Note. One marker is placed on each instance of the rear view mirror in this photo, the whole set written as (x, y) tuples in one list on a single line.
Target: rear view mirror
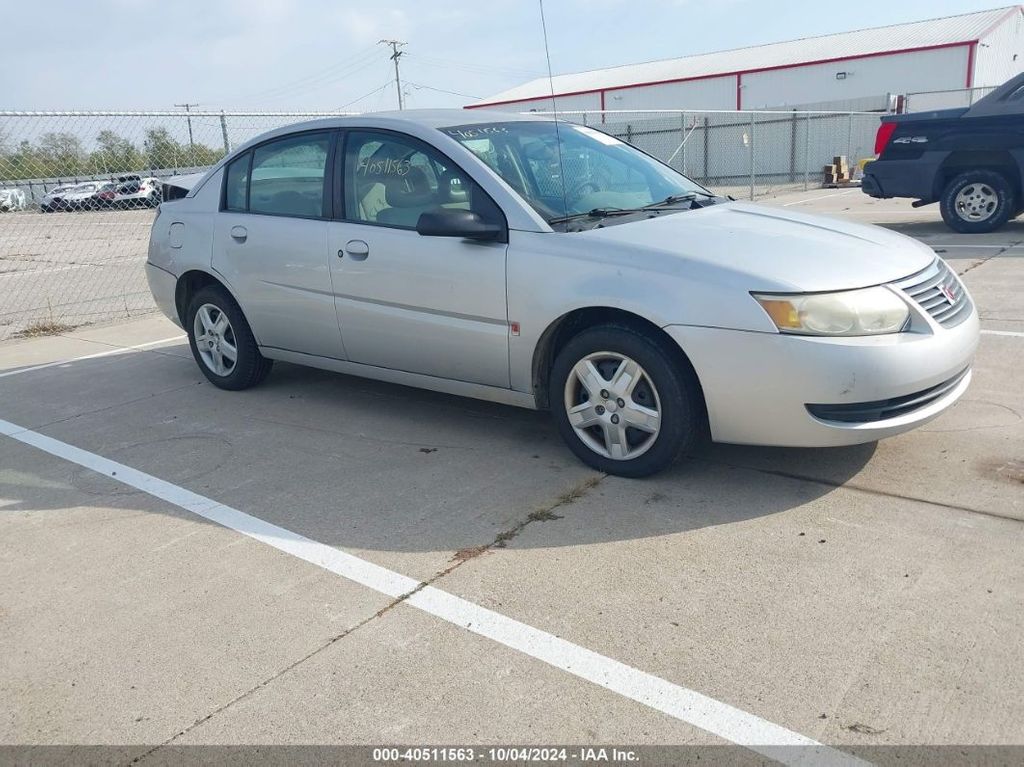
[(459, 223)]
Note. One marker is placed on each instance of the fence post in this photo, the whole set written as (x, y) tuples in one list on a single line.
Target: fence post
[(792, 149), (752, 155), (224, 132), (682, 137), (707, 148), (807, 153), (629, 133), (849, 138)]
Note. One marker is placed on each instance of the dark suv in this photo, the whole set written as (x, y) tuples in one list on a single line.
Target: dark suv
[(969, 160)]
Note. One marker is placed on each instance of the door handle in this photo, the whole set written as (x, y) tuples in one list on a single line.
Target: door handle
[(357, 250), (239, 233)]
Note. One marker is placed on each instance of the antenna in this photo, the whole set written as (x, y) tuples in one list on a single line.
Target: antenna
[(395, 56), (554, 111)]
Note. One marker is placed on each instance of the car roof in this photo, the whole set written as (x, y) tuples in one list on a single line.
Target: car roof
[(399, 121), (433, 118), (428, 118)]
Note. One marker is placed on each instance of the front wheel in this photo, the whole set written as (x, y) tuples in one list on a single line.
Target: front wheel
[(977, 202), (222, 342), (622, 401)]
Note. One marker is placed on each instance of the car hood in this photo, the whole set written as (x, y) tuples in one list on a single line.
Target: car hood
[(773, 249)]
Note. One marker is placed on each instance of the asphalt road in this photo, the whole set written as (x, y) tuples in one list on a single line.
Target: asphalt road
[(183, 565)]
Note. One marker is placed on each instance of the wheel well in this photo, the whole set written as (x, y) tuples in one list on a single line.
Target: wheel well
[(1000, 162), (188, 284), (562, 330)]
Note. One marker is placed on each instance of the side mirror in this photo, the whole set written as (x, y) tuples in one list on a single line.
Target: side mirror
[(458, 223)]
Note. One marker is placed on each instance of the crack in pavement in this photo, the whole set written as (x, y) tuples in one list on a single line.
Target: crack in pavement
[(542, 514), (862, 489), (998, 253)]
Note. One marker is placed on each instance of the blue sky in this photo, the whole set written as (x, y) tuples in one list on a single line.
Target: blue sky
[(322, 54)]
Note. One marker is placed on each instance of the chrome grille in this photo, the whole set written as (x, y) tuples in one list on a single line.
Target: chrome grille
[(937, 290)]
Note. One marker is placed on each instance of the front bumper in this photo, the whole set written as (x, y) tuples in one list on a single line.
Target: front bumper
[(163, 285), (757, 385)]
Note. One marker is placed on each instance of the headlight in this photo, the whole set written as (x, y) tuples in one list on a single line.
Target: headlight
[(866, 312)]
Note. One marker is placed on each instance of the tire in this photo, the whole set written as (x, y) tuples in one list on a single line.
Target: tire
[(660, 384), (977, 202), (210, 308)]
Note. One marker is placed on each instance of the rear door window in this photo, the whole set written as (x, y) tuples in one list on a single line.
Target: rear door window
[(287, 176)]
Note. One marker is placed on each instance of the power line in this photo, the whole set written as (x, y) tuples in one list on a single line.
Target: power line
[(441, 90), (317, 79), (375, 90), (473, 67), (395, 56)]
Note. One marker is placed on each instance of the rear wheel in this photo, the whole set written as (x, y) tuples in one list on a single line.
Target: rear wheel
[(622, 402), (222, 342), (977, 202)]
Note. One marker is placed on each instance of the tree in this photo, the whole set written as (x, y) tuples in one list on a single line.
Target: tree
[(60, 154), (163, 151), (115, 154), (27, 161)]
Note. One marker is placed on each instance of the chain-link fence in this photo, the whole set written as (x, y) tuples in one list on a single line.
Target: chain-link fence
[(77, 189), (746, 154), (77, 193)]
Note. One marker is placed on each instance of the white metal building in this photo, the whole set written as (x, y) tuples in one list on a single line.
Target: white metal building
[(853, 69)]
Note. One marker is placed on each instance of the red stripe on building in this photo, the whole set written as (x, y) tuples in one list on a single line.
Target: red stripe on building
[(734, 73)]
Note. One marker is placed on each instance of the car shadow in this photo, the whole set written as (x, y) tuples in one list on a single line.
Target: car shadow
[(374, 466)]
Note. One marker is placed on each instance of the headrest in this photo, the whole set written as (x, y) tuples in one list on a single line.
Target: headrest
[(409, 189)]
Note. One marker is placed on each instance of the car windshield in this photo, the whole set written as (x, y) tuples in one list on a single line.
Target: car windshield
[(593, 172)]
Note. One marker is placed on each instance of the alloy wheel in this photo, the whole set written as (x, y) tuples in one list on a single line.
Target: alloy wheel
[(215, 339), (613, 405)]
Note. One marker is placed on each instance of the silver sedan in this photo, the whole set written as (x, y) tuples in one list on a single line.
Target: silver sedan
[(549, 265)]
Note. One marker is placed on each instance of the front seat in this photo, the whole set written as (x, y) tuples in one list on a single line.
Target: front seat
[(408, 197)]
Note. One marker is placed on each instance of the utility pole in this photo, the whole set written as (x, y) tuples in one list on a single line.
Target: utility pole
[(395, 56), (188, 109)]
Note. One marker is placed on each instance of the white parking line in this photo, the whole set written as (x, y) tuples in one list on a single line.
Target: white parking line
[(720, 719), (1003, 333), (822, 197), (108, 353), (971, 247)]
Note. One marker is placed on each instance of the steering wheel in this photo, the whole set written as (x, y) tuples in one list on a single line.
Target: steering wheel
[(582, 188)]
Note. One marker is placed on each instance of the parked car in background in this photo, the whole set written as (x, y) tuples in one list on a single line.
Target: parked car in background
[(73, 197), (104, 197), (549, 265), (969, 160), (54, 199), (138, 191), (90, 195), (12, 199)]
